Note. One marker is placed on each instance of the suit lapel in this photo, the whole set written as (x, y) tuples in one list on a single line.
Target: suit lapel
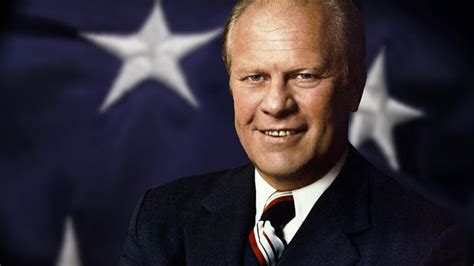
[(228, 215), (324, 237)]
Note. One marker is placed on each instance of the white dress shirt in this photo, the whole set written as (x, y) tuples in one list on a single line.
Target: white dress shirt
[(304, 198)]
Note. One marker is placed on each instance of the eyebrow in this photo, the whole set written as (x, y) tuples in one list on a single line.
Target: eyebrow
[(321, 68), (320, 71), (246, 71)]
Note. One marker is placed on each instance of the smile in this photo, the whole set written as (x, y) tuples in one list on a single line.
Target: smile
[(280, 133)]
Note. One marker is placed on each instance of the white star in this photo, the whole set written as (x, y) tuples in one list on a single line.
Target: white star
[(69, 255), (378, 113), (151, 53)]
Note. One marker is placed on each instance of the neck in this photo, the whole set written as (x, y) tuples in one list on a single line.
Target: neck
[(310, 174)]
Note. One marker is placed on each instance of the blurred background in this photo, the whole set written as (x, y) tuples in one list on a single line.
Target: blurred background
[(101, 100)]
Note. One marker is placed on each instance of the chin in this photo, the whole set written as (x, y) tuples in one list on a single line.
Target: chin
[(289, 171), (283, 170)]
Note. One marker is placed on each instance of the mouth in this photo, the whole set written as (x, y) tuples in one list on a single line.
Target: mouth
[(279, 133)]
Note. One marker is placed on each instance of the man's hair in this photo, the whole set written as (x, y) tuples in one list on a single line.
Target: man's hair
[(346, 29)]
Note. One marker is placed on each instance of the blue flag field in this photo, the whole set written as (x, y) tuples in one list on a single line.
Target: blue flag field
[(101, 100)]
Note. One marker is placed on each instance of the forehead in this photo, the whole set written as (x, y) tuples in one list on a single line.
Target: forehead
[(279, 27), (270, 15)]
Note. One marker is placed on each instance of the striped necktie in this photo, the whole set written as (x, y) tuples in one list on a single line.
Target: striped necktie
[(266, 239)]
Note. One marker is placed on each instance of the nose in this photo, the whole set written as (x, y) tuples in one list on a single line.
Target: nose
[(278, 100)]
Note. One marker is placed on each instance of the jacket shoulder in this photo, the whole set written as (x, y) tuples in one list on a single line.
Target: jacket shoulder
[(405, 222), (155, 235), (397, 204), (184, 194), (392, 202)]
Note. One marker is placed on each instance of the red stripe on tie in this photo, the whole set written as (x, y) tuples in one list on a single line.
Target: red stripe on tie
[(278, 200), (256, 250)]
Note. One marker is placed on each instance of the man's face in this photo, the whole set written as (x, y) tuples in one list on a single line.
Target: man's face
[(290, 112)]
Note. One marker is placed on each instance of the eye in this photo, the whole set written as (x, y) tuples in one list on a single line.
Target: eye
[(305, 80), (255, 78), (305, 76)]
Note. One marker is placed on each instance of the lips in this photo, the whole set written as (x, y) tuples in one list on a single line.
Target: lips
[(283, 132), (279, 133)]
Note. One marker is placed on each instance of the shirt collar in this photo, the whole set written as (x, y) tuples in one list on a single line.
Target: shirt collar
[(304, 197)]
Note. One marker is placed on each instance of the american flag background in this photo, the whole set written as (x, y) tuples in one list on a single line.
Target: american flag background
[(101, 100)]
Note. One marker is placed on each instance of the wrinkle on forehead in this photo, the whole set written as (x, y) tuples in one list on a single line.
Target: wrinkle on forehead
[(283, 39), (289, 3), (280, 45), (276, 29)]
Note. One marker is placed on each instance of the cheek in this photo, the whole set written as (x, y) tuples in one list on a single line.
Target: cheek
[(316, 106), (324, 104), (245, 107)]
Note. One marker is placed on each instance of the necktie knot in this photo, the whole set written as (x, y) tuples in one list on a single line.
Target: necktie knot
[(280, 209)]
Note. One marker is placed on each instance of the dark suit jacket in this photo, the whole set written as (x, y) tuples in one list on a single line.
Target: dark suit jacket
[(363, 218)]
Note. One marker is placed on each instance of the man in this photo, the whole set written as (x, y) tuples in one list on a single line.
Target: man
[(296, 73)]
